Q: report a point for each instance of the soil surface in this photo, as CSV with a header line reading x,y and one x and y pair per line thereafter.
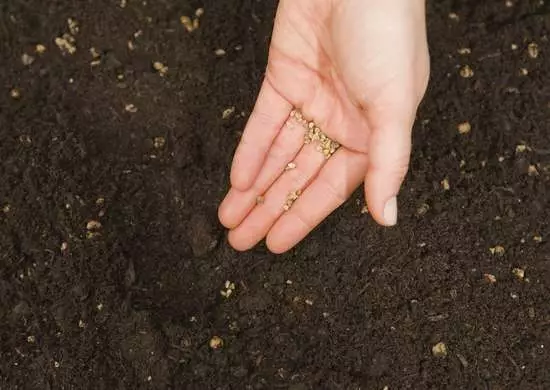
x,y
112,260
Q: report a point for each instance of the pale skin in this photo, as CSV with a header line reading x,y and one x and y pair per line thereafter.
x,y
358,69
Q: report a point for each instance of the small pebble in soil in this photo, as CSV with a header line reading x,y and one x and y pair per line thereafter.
x,y
490,278
533,50
519,273
15,93
216,342
228,112
439,350
464,128
466,71
27,59
497,250
130,108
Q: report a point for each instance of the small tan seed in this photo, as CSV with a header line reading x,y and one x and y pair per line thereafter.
x,y
533,50
466,72
464,128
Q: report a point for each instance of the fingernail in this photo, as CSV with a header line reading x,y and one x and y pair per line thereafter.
x,y
390,211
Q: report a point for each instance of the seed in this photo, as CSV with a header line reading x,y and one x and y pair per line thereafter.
x,y
260,199
93,225
523,72
519,273
497,250
159,142
439,350
490,278
454,16
220,52
130,108
216,342
27,59
187,23
464,128
290,165
466,72
532,171
160,67
199,12
228,112
445,184
15,93
533,50
464,50
40,49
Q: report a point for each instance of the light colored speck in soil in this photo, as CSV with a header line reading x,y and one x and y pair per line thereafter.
x,y
228,112
532,170
159,142
454,16
160,68
519,273
445,184
464,128
15,93
40,49
220,52
27,59
93,225
497,250
466,71
439,350
464,50
215,342
130,108
533,50
490,278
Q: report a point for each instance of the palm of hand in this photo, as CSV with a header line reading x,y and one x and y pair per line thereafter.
x,y
303,72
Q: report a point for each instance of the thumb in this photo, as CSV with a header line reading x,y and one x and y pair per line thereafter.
x,y
389,156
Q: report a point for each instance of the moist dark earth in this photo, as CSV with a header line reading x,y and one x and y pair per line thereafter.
x,y
133,303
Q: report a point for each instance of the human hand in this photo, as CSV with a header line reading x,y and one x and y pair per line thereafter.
x,y
358,69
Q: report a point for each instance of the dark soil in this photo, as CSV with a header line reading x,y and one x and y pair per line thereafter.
x,y
134,304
